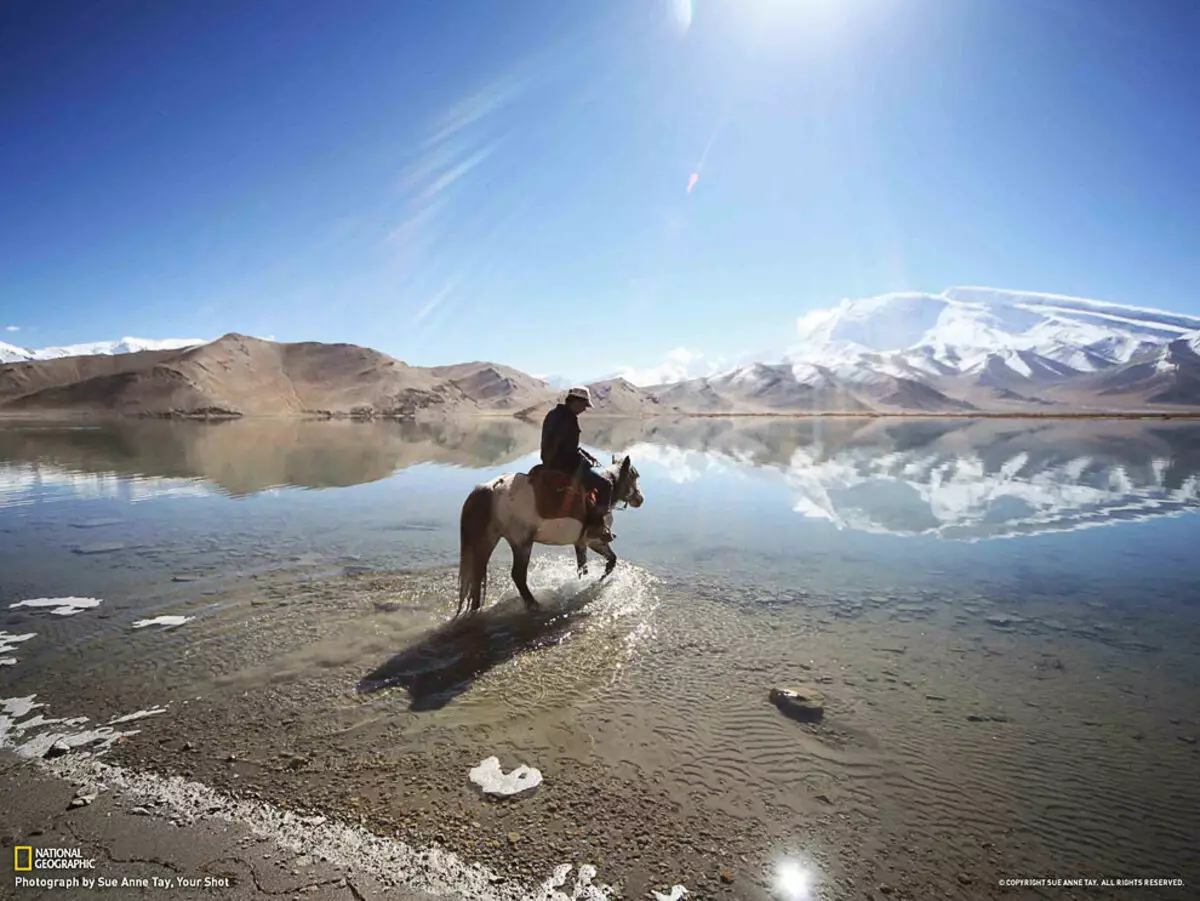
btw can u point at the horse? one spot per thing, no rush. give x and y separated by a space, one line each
506 507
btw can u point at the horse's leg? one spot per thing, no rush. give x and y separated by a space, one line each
611 559
605 550
581 560
481 557
521 551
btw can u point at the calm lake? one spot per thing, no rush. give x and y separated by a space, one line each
1003 616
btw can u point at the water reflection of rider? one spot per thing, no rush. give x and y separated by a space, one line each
561 452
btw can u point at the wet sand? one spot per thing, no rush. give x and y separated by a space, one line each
966 740
141 846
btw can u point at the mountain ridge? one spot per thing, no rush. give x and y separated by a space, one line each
966 350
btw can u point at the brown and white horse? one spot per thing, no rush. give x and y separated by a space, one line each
507 508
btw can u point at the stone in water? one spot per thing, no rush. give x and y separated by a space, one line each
494 781
799 702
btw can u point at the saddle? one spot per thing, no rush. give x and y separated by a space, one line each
558 495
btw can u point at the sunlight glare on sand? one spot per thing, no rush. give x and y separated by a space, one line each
793 881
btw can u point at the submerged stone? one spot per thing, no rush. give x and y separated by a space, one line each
799 702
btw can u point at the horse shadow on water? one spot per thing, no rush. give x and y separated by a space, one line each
445 662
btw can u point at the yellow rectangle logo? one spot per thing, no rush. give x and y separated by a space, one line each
28 849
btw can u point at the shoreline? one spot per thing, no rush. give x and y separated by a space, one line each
146 832
7 417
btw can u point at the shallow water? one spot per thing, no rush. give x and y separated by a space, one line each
1003 615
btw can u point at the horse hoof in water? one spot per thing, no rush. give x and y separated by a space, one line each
583 571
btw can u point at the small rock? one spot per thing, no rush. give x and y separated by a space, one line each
58 749
140 812
885 889
964 878
727 877
513 838
1187 739
799 702
81 801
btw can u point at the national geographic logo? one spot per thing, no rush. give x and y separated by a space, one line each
27 859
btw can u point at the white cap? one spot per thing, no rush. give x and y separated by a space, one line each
582 393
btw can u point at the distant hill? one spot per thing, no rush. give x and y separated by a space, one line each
1131 360
241 376
610 397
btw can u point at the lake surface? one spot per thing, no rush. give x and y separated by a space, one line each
1002 614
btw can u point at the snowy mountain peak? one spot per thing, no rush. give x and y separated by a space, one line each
10 353
961 326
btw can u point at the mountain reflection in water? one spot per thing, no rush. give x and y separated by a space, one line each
954 478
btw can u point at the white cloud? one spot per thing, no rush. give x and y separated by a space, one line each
12 328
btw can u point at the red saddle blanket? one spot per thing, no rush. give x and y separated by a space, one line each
559 496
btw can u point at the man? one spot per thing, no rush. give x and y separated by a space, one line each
562 453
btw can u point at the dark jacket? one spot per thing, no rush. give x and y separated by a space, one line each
560 440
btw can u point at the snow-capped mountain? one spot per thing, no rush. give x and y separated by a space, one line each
557 382
964 348
680 364
10 353
962 326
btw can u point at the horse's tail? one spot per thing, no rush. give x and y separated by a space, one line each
475 547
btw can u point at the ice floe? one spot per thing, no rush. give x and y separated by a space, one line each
494 781
8 644
59 606
30 737
167 622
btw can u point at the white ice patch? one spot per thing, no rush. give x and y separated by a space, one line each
8 644
137 715
59 606
494 781
677 892
19 707
67 734
167 622
432 869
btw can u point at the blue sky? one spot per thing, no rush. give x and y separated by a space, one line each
451 180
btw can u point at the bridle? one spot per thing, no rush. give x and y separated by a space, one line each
617 485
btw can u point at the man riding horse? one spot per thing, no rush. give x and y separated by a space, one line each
562 453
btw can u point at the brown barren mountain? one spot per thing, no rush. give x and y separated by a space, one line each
241 376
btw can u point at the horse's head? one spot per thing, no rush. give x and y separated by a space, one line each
626 489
